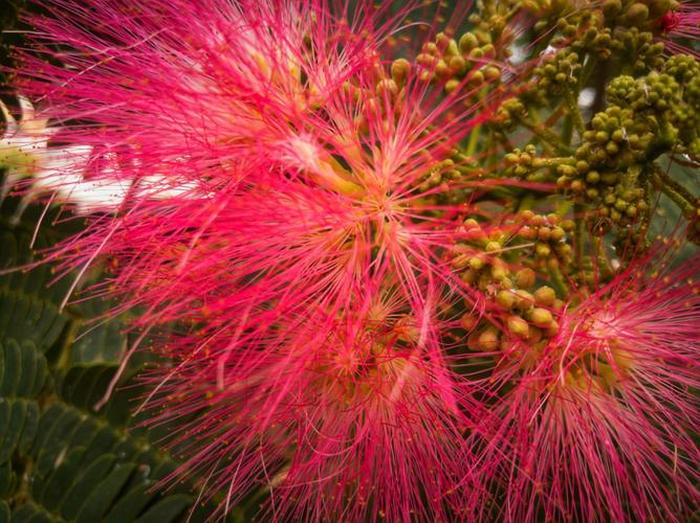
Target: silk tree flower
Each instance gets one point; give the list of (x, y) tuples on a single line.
[(354, 423), (303, 162), (192, 112), (188, 88), (30, 161), (600, 421), (277, 279)]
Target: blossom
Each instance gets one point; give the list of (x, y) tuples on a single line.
[(188, 88), (277, 216), (282, 282), (25, 152), (357, 422), (599, 421)]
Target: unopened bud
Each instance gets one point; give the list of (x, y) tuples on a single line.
[(518, 326), (400, 70), (525, 278), (545, 296), (541, 317)]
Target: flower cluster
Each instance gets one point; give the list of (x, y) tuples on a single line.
[(393, 281)]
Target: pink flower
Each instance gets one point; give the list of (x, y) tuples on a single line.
[(599, 424), (186, 89), (354, 423), (290, 238), (316, 295)]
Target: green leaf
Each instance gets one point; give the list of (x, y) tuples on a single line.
[(11, 432), (31, 424), (60, 460), (101, 498), (11, 367), (4, 512), (100, 344), (30, 513), (7, 478), (83, 485), (166, 510), (134, 501), (53, 489)]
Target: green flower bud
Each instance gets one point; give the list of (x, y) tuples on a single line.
[(400, 70), (545, 296), (489, 339), (467, 42), (506, 299), (525, 278), (637, 14), (541, 317), (518, 326)]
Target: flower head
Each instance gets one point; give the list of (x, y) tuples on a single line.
[(357, 422), (600, 420), (277, 214)]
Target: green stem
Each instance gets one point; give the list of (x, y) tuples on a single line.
[(526, 202), (558, 282), (579, 235), (548, 137), (575, 112), (473, 140), (675, 191)]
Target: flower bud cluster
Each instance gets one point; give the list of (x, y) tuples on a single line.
[(646, 117), (559, 72), (454, 63), (518, 304)]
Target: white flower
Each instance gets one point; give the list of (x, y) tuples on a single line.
[(24, 152), (60, 170)]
